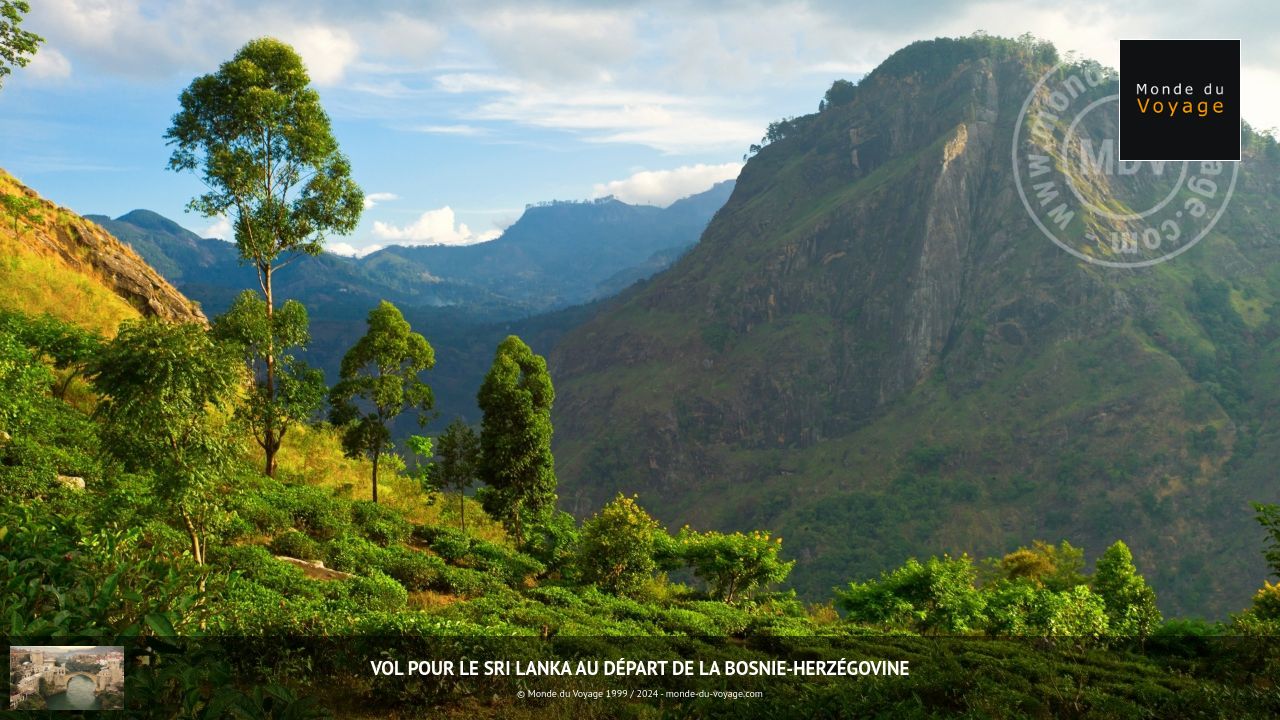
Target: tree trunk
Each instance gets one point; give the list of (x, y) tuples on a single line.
[(270, 443), (197, 552), (376, 453)]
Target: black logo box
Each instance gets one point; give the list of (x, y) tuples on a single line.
[(1180, 65)]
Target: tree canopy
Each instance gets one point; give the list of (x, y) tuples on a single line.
[(16, 45), (379, 380), (515, 436)]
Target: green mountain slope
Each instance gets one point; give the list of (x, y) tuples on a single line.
[(874, 351), (58, 263)]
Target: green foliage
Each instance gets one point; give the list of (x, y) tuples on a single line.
[(1130, 602), (617, 546), (415, 570), (554, 541), (452, 545), (378, 592), (458, 449), (354, 554), (20, 208), (265, 151), (1054, 567), (493, 559), (382, 525), (515, 437), (59, 575), (733, 565), (841, 92), (292, 392), (378, 381), (313, 510), (465, 581), (1266, 602), (297, 545), (70, 348), (935, 596), (503, 562), (257, 564), (1269, 519), (16, 45), (22, 381), (1076, 612), (256, 133), (158, 384)]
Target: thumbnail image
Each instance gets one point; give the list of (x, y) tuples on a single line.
[(66, 677)]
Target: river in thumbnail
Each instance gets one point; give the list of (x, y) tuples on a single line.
[(80, 695)]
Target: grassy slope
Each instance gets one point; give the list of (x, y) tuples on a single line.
[(36, 283)]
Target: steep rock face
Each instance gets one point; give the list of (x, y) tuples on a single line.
[(84, 247), (874, 351)]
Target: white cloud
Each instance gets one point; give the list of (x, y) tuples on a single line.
[(372, 199), (434, 227), (559, 44), (663, 187), (1260, 98), (349, 250), (326, 51), (49, 64), (466, 130), (667, 122), (221, 229)]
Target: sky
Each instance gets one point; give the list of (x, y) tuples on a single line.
[(455, 115)]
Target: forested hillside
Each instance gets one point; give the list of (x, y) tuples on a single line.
[(875, 352)]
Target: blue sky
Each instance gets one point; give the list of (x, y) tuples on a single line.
[(456, 116)]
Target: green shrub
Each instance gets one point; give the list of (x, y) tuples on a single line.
[(723, 619), (464, 581), (316, 511), (377, 592), (352, 553), (414, 570), (554, 542), (448, 543), (379, 523), (734, 564), (297, 545), (774, 625), (262, 512), (617, 547), (255, 563), (165, 537), (513, 566)]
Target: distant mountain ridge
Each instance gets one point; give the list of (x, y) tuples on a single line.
[(555, 256)]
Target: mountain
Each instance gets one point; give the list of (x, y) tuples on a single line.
[(875, 351), (465, 300), (610, 244), (603, 241), (210, 271), (59, 263)]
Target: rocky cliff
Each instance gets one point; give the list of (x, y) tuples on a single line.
[(58, 248)]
